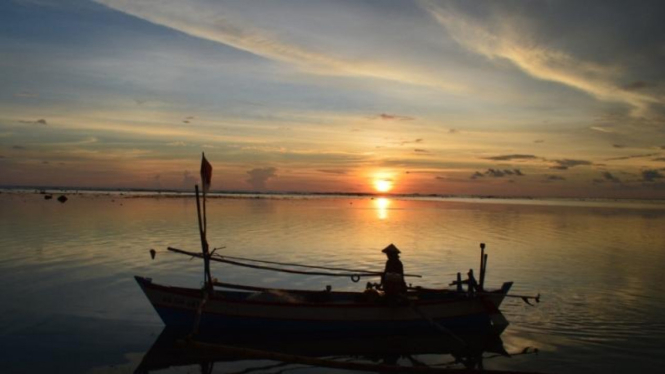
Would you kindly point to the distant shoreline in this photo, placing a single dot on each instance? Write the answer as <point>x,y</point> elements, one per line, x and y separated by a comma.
<point>175,194</point>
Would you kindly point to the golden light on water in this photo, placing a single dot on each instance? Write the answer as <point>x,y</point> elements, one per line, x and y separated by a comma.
<point>382,204</point>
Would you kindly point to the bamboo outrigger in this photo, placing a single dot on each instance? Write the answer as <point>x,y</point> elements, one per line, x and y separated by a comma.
<point>228,307</point>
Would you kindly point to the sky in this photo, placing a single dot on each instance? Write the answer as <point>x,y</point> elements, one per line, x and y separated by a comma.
<point>504,98</point>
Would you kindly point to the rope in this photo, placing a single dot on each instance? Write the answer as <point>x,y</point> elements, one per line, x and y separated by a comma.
<point>218,259</point>
<point>354,275</point>
<point>297,265</point>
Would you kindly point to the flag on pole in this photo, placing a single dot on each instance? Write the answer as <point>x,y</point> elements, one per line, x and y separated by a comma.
<point>206,173</point>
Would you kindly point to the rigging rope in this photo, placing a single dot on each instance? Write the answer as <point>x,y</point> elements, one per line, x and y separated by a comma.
<point>354,274</point>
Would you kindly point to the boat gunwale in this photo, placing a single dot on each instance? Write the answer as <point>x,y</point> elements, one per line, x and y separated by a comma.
<point>197,293</point>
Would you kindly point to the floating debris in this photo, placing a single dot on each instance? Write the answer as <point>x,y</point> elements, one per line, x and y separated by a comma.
<point>62,199</point>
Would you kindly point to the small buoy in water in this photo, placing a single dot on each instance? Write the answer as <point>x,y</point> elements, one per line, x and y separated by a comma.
<point>62,198</point>
<point>153,253</point>
<point>48,197</point>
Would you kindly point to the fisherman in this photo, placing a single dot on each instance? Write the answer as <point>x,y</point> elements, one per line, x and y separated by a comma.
<point>392,280</point>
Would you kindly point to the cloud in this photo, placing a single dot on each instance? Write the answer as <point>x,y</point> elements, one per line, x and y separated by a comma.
<point>188,180</point>
<point>638,85</point>
<point>333,171</point>
<point>602,129</point>
<point>37,122</point>
<point>415,141</point>
<point>26,94</point>
<point>393,117</point>
<point>609,177</point>
<point>259,177</point>
<point>497,173</point>
<point>506,36</point>
<point>651,175</point>
<point>632,156</point>
<point>177,144</point>
<point>214,23</point>
<point>511,157</point>
<point>659,159</point>
<point>476,175</point>
<point>566,163</point>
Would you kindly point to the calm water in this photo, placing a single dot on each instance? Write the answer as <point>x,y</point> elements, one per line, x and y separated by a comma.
<point>70,304</point>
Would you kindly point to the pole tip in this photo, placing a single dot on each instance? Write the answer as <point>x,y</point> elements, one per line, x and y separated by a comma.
<point>482,245</point>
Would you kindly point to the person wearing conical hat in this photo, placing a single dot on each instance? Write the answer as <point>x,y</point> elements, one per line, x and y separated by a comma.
<point>392,280</point>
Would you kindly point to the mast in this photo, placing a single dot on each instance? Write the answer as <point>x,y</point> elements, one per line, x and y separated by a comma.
<point>206,178</point>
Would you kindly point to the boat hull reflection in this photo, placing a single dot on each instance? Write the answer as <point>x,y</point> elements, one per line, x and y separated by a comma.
<point>173,349</point>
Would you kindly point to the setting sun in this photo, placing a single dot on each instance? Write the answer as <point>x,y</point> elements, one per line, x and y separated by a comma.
<point>383,185</point>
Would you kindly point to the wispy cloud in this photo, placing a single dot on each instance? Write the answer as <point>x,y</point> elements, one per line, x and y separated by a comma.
<point>607,177</point>
<point>210,22</point>
<point>404,142</point>
<point>40,121</point>
<point>393,117</point>
<point>26,94</point>
<point>566,163</point>
<point>602,129</point>
<point>333,171</point>
<point>506,36</point>
<point>632,156</point>
<point>497,173</point>
<point>512,157</point>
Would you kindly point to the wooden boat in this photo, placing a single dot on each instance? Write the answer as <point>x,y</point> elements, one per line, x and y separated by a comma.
<point>226,307</point>
<point>291,311</point>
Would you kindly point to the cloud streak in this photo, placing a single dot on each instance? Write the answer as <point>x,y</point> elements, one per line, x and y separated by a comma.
<point>210,23</point>
<point>506,36</point>
<point>512,157</point>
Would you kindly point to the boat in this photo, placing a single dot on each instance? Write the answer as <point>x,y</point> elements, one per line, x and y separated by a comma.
<point>229,308</point>
<point>295,311</point>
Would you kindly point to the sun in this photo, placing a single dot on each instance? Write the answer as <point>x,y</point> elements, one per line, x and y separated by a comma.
<point>383,185</point>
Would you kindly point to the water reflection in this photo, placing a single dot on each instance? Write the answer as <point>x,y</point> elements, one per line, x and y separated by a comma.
<point>382,204</point>
<point>246,354</point>
<point>599,268</point>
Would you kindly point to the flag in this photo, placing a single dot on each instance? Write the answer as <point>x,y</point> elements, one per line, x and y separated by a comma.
<point>206,173</point>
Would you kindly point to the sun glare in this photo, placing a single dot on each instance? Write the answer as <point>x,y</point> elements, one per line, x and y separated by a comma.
<point>383,185</point>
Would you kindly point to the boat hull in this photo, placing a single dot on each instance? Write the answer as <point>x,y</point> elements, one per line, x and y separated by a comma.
<point>232,311</point>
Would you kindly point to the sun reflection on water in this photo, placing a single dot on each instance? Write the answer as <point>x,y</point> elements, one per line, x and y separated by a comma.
<point>382,204</point>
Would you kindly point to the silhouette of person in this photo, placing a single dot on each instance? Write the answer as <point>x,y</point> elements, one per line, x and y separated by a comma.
<point>392,279</point>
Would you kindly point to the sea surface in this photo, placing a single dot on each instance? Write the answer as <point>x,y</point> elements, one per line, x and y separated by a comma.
<point>69,302</point>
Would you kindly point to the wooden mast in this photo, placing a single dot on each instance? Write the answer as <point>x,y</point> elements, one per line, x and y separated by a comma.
<point>204,241</point>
